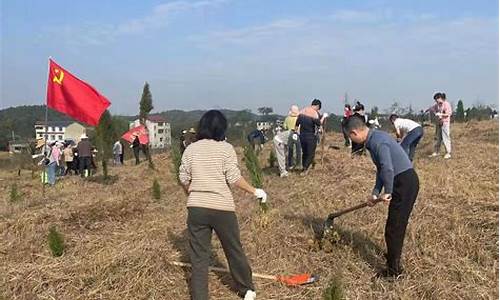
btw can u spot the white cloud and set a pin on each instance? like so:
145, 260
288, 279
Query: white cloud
250, 34
98, 34
360, 16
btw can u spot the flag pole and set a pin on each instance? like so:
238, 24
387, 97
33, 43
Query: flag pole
45, 168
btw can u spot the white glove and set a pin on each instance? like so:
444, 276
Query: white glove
325, 115
260, 194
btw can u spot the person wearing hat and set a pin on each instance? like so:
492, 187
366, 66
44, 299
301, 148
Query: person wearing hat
293, 139
308, 122
85, 155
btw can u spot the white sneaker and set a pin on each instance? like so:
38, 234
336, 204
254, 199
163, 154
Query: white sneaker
284, 174
447, 156
250, 295
433, 154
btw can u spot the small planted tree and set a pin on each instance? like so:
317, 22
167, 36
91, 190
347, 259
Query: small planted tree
256, 175
156, 190
334, 290
460, 113
175, 154
56, 242
272, 159
14, 195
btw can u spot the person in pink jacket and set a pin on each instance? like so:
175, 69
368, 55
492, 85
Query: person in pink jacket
443, 111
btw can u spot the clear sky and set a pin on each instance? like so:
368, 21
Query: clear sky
249, 53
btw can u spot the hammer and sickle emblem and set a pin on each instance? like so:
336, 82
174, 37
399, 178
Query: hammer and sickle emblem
58, 77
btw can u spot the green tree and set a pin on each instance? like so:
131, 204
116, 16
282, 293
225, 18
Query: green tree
146, 104
459, 113
374, 112
104, 139
145, 107
156, 190
265, 110
56, 242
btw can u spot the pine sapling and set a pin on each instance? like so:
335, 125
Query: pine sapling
272, 159
56, 242
334, 290
256, 175
15, 196
176, 157
156, 190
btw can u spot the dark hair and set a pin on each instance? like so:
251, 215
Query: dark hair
347, 106
439, 95
316, 102
354, 122
212, 126
359, 106
393, 117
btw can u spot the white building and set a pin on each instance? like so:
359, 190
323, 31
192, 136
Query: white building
264, 125
159, 131
59, 130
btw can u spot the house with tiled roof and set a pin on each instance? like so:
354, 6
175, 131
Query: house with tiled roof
159, 131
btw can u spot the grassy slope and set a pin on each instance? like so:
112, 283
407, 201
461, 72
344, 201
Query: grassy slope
119, 239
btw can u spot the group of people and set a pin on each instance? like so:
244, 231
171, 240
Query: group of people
61, 159
299, 138
209, 168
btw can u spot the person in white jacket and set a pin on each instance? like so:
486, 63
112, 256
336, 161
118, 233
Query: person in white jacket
117, 152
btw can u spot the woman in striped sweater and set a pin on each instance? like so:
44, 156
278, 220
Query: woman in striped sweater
208, 168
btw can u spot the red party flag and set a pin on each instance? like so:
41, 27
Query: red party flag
140, 131
74, 97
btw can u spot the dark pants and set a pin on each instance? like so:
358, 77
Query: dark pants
347, 140
85, 164
201, 222
406, 186
294, 144
136, 155
411, 141
309, 143
69, 167
121, 158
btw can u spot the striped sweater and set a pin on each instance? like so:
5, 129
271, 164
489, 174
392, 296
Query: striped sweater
209, 167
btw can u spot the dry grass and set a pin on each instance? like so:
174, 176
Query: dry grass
118, 240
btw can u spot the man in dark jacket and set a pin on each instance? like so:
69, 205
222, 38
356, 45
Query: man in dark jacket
136, 146
395, 174
84, 155
256, 138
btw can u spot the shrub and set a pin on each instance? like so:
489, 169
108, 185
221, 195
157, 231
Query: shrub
15, 196
56, 243
334, 290
176, 156
156, 190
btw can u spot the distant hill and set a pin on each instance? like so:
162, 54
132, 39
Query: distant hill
21, 120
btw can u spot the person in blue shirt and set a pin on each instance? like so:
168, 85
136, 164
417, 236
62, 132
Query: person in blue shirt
400, 184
